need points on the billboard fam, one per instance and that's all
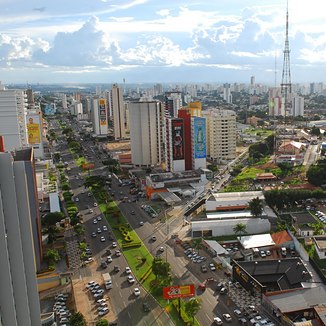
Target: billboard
(178, 291)
(33, 130)
(177, 139)
(102, 112)
(200, 137)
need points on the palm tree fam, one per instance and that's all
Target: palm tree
(240, 229)
(256, 207)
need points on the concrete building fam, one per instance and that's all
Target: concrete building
(64, 101)
(118, 112)
(146, 133)
(227, 95)
(297, 108)
(221, 134)
(19, 301)
(99, 117)
(13, 106)
(320, 246)
(173, 103)
(34, 124)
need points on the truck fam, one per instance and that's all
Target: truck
(107, 280)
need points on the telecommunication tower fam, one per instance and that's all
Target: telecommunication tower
(286, 86)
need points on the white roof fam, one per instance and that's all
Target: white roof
(256, 241)
(234, 214)
(216, 247)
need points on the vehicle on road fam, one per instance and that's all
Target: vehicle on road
(137, 292)
(95, 221)
(237, 312)
(105, 228)
(203, 268)
(161, 249)
(118, 253)
(130, 279)
(116, 268)
(104, 311)
(212, 267)
(141, 223)
(102, 239)
(107, 280)
(114, 244)
(218, 321)
(146, 307)
(128, 270)
(93, 234)
(109, 259)
(227, 317)
(90, 211)
(95, 204)
(99, 230)
(104, 264)
(99, 218)
(224, 291)
(153, 238)
(132, 212)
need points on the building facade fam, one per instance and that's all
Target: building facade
(118, 112)
(99, 117)
(19, 300)
(146, 132)
(221, 134)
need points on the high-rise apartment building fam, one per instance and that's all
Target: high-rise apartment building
(146, 133)
(99, 116)
(13, 106)
(19, 300)
(227, 95)
(221, 134)
(64, 101)
(34, 125)
(297, 107)
(30, 99)
(118, 112)
(173, 103)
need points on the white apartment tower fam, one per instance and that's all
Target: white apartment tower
(13, 106)
(221, 134)
(99, 116)
(19, 300)
(297, 107)
(145, 120)
(118, 112)
(227, 95)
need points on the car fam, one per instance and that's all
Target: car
(114, 244)
(218, 321)
(105, 228)
(223, 290)
(268, 253)
(104, 311)
(219, 286)
(116, 268)
(153, 238)
(118, 253)
(212, 267)
(128, 270)
(237, 312)
(98, 295)
(227, 317)
(132, 212)
(95, 221)
(77, 199)
(93, 234)
(89, 260)
(137, 292)
(90, 211)
(146, 306)
(95, 204)
(99, 230)
(109, 259)
(262, 254)
(104, 264)
(130, 279)
(100, 301)
(203, 268)
(99, 218)
(243, 321)
(90, 283)
(141, 223)
(102, 239)
(102, 306)
(161, 249)
(89, 194)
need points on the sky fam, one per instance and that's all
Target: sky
(149, 41)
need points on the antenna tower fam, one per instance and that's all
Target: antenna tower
(286, 86)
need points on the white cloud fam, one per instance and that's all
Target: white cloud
(163, 12)
(244, 54)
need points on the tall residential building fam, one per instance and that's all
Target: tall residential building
(221, 134)
(30, 98)
(227, 95)
(99, 116)
(146, 133)
(297, 107)
(275, 102)
(13, 106)
(64, 101)
(34, 124)
(118, 112)
(173, 103)
(19, 300)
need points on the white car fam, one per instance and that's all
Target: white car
(218, 321)
(99, 218)
(237, 312)
(118, 253)
(114, 244)
(141, 223)
(104, 311)
(105, 228)
(137, 292)
(102, 239)
(99, 302)
(128, 270)
(77, 199)
(89, 194)
(130, 279)
(95, 221)
(161, 249)
(109, 259)
(227, 317)
(90, 284)
(212, 267)
(95, 204)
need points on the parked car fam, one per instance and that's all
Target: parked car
(203, 268)
(218, 321)
(137, 292)
(130, 279)
(227, 317)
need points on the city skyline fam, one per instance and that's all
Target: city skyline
(148, 41)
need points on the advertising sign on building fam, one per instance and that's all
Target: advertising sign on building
(177, 139)
(33, 130)
(178, 291)
(200, 137)
(102, 112)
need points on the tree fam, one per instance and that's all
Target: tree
(52, 256)
(77, 319)
(240, 229)
(318, 228)
(52, 232)
(52, 218)
(79, 229)
(256, 207)
(192, 307)
(102, 322)
(160, 268)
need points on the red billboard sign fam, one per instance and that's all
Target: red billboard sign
(179, 291)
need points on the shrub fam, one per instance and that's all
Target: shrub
(128, 238)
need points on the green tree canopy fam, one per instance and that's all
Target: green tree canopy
(160, 268)
(240, 229)
(192, 306)
(256, 207)
(102, 322)
(52, 218)
(77, 319)
(52, 256)
(317, 173)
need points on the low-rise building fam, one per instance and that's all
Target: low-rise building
(320, 246)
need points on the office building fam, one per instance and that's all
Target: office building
(173, 103)
(227, 95)
(146, 133)
(221, 134)
(99, 116)
(118, 112)
(19, 300)
(13, 106)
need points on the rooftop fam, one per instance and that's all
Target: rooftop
(256, 241)
(320, 242)
(281, 237)
(303, 218)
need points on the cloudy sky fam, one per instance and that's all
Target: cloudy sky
(190, 41)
